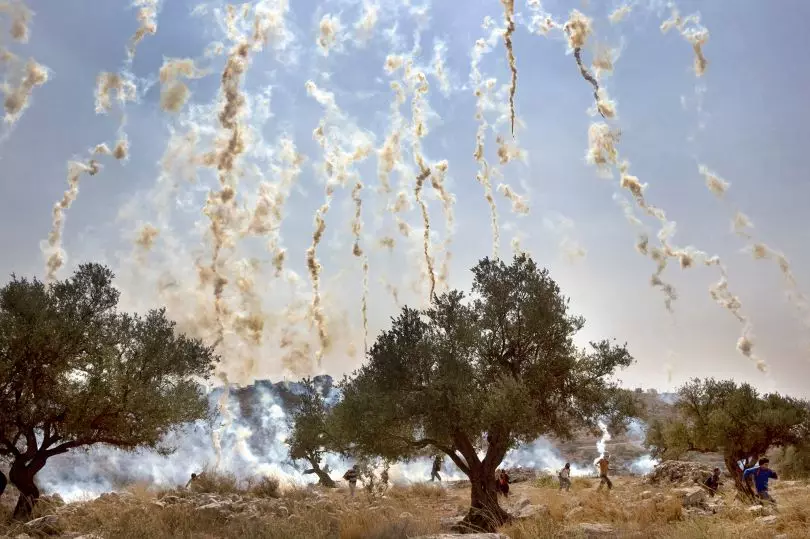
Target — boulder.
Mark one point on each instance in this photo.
(47, 525)
(691, 497)
(574, 513)
(463, 536)
(768, 520)
(593, 530)
(679, 472)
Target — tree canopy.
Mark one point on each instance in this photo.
(75, 372)
(472, 377)
(722, 416)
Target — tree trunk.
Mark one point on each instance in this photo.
(485, 512)
(22, 477)
(323, 478)
(743, 487)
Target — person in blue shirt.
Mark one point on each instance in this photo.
(761, 474)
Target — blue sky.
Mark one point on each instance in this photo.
(749, 128)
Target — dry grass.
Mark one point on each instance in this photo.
(632, 509)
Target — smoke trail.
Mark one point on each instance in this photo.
(418, 85)
(509, 16)
(357, 228)
(482, 89)
(693, 32)
(173, 91)
(600, 445)
(52, 249)
(147, 19)
(333, 129)
(741, 225)
(329, 36)
(578, 28)
(620, 13)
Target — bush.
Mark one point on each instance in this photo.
(266, 487)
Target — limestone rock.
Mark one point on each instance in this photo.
(679, 472)
(768, 520)
(47, 525)
(596, 530)
(464, 536)
(691, 497)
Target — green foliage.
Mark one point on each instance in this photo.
(735, 419)
(485, 372)
(308, 437)
(77, 372)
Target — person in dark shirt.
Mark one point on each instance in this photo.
(713, 482)
(351, 477)
(437, 465)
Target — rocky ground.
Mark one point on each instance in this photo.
(667, 504)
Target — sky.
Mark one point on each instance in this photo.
(744, 119)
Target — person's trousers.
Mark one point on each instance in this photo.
(565, 483)
(605, 481)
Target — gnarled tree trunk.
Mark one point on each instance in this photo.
(486, 513)
(323, 477)
(743, 487)
(21, 476)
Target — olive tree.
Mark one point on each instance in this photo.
(471, 378)
(74, 371)
(722, 416)
(308, 437)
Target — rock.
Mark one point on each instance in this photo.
(768, 520)
(691, 497)
(450, 522)
(520, 474)
(646, 494)
(22, 536)
(47, 525)
(464, 536)
(593, 530)
(405, 515)
(530, 511)
(521, 503)
(679, 472)
(89, 536)
(756, 510)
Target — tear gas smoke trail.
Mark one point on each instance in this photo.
(364, 27)
(52, 249)
(620, 13)
(269, 212)
(439, 67)
(418, 85)
(602, 151)
(600, 445)
(482, 89)
(147, 18)
(220, 207)
(21, 17)
(390, 154)
(329, 37)
(692, 31)
(17, 99)
(509, 16)
(357, 229)
(437, 183)
(173, 91)
(519, 204)
(338, 163)
(741, 225)
(18, 81)
(578, 28)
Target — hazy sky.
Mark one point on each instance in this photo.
(745, 119)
